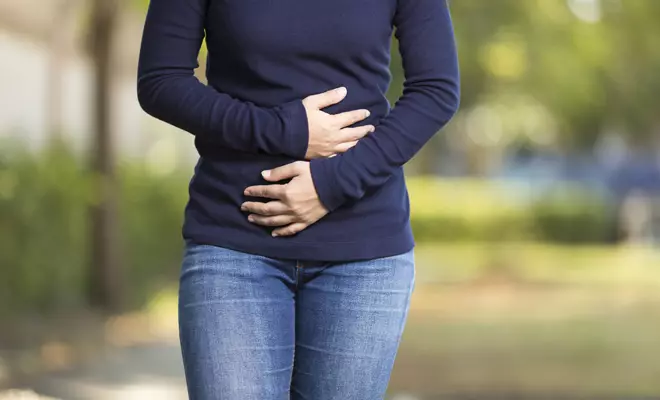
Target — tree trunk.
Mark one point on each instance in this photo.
(105, 273)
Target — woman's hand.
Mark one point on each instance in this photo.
(295, 205)
(328, 134)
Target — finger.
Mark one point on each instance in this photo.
(281, 173)
(344, 147)
(270, 208)
(349, 117)
(325, 99)
(357, 133)
(277, 220)
(290, 230)
(266, 191)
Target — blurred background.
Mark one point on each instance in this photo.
(536, 211)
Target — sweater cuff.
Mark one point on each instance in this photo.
(295, 136)
(324, 176)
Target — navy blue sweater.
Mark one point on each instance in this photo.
(264, 57)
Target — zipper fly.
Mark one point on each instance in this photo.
(299, 272)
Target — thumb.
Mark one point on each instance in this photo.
(281, 173)
(326, 99)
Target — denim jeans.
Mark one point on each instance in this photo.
(257, 328)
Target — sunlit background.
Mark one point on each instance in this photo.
(536, 211)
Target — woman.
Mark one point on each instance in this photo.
(298, 268)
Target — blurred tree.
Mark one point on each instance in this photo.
(592, 63)
(549, 73)
(105, 267)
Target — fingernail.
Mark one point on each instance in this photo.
(373, 129)
(342, 91)
(275, 234)
(265, 174)
(366, 113)
(250, 218)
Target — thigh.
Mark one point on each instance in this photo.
(236, 322)
(349, 322)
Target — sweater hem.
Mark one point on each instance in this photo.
(284, 248)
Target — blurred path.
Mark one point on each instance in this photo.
(142, 372)
(134, 373)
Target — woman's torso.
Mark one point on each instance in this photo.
(271, 52)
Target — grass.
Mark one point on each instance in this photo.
(540, 263)
(533, 319)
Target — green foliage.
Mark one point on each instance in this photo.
(44, 230)
(151, 214)
(459, 210)
(42, 208)
(591, 70)
(464, 210)
(574, 217)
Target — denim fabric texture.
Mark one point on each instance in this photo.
(258, 328)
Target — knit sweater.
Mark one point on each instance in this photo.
(264, 57)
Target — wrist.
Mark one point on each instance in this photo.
(295, 133)
(323, 175)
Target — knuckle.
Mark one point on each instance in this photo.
(355, 135)
(351, 133)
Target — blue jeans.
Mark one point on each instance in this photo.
(257, 328)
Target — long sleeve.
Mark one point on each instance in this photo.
(169, 91)
(430, 99)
